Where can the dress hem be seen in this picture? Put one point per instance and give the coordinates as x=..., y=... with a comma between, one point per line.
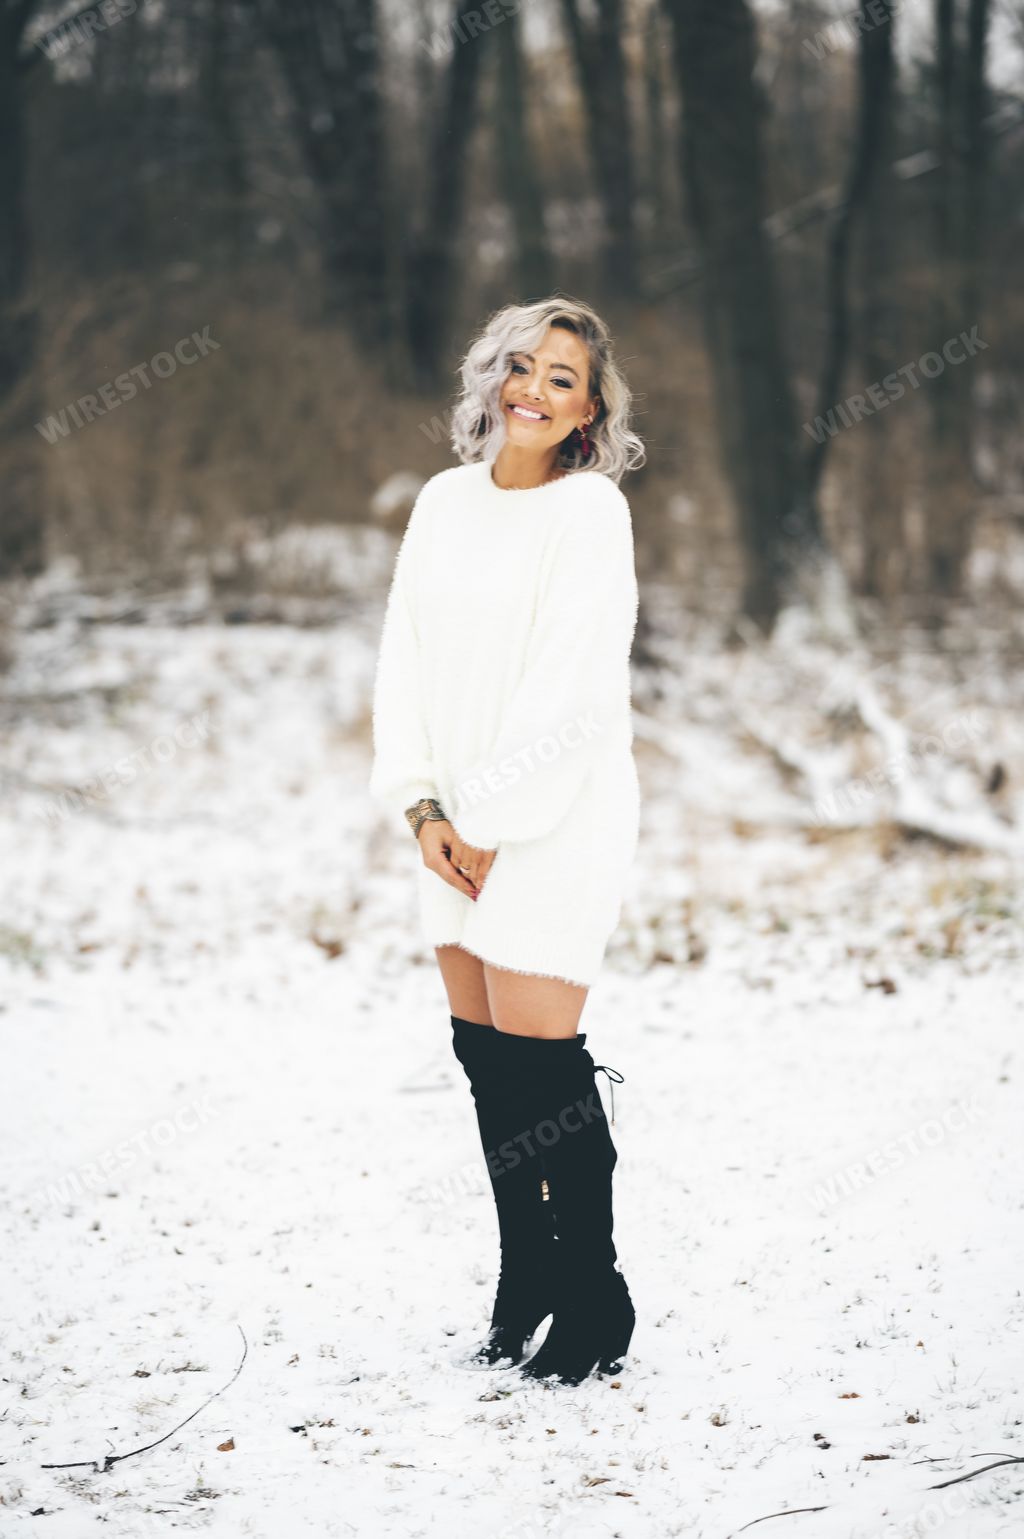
x=528, y=972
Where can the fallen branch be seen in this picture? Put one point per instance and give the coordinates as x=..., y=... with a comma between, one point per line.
x=945, y=1458
x=790, y=758
x=111, y=1459
x=909, y=806
x=957, y=1479
x=971, y=1474
x=914, y=810
x=787, y=1513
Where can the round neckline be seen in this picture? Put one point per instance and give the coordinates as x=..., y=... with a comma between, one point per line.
x=522, y=491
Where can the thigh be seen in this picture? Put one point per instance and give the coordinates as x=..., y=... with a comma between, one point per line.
x=464, y=983
x=529, y=1005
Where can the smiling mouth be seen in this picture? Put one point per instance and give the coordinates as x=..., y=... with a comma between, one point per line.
x=527, y=413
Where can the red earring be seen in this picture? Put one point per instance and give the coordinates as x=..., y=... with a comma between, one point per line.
x=584, y=441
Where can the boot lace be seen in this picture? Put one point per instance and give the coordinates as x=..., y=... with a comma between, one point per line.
x=614, y=1078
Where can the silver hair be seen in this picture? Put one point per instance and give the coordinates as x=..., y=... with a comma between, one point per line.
x=478, y=427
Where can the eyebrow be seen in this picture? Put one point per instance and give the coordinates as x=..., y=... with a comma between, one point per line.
x=567, y=366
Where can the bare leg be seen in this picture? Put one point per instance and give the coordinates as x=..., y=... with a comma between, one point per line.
x=463, y=976
x=525, y=1004
x=528, y=1005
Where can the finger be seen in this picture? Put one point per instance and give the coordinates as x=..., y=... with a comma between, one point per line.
x=482, y=868
x=448, y=872
x=468, y=875
x=464, y=861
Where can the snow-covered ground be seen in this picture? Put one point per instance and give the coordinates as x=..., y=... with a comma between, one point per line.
x=233, y=1125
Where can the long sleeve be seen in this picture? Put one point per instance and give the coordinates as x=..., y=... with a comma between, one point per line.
x=403, y=769
x=574, y=695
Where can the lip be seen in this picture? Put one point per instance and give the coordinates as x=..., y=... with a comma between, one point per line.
x=542, y=417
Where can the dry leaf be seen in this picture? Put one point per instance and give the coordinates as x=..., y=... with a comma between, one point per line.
x=333, y=948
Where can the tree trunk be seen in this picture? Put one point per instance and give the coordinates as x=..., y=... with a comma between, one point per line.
x=22, y=526
x=601, y=71
x=863, y=194
x=756, y=415
x=654, y=178
x=329, y=56
x=881, y=472
x=958, y=214
x=432, y=268
x=224, y=169
x=881, y=481
x=875, y=79
x=518, y=167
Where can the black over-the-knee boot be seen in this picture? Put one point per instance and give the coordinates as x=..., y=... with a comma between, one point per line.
x=525, y=1292
x=553, y=1081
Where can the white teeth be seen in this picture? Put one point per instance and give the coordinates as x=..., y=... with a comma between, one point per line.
x=524, y=411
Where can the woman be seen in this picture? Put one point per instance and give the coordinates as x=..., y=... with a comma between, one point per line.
x=502, y=732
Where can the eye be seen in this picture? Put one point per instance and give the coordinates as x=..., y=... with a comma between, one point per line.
x=519, y=368
x=565, y=383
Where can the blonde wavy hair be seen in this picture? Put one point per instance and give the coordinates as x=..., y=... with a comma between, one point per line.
x=478, y=426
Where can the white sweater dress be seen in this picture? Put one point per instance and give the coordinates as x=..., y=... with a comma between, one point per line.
x=503, y=690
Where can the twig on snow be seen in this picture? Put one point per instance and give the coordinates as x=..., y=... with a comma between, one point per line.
x=786, y=1513
x=957, y=1479
x=1000, y=1464
x=111, y=1459
x=945, y=1458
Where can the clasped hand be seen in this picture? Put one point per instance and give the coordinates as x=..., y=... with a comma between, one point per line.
x=444, y=852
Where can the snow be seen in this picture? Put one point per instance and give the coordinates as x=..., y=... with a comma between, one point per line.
x=234, y=1123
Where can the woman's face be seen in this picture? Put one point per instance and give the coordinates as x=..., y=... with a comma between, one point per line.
x=545, y=395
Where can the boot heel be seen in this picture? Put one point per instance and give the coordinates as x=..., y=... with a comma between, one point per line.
x=611, y=1360
x=620, y=1335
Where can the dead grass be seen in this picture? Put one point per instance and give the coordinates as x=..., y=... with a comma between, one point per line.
x=278, y=425
x=282, y=425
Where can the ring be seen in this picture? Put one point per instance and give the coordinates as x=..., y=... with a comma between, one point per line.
x=464, y=869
